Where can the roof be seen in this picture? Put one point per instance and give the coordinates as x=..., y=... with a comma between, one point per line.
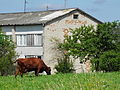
x=38, y=17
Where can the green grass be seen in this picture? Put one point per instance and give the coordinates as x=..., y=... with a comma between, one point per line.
x=84, y=81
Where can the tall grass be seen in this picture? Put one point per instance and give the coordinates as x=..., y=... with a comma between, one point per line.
x=84, y=81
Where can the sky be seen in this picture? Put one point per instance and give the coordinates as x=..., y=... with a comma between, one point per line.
x=103, y=10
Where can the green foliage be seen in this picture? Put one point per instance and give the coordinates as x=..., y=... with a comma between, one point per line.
x=65, y=65
x=7, y=53
x=108, y=40
x=109, y=61
x=83, y=81
x=75, y=43
x=93, y=41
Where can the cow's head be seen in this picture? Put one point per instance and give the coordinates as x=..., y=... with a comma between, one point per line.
x=48, y=71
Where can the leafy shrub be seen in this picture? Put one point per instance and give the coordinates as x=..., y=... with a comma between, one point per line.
x=7, y=53
x=109, y=61
x=65, y=65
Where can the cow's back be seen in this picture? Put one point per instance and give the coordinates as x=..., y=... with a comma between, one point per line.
x=31, y=62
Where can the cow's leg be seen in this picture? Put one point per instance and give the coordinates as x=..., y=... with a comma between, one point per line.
x=37, y=71
x=21, y=74
x=16, y=73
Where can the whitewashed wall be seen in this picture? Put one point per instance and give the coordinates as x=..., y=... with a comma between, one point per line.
x=57, y=30
x=23, y=51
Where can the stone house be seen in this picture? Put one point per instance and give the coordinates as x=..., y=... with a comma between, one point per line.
x=32, y=31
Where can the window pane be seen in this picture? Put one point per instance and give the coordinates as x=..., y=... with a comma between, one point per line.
x=21, y=40
x=30, y=40
x=24, y=41
x=30, y=56
x=18, y=40
x=38, y=40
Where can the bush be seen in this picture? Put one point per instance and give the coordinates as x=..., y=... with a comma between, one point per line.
x=109, y=61
x=65, y=65
x=7, y=53
x=6, y=67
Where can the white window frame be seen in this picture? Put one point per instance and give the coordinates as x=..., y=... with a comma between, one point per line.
x=28, y=33
x=37, y=43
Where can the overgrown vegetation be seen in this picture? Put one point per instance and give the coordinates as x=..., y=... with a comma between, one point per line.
x=109, y=61
x=7, y=53
x=95, y=42
x=84, y=81
x=65, y=65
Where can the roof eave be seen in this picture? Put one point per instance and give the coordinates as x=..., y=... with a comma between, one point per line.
x=100, y=22
x=96, y=20
x=22, y=24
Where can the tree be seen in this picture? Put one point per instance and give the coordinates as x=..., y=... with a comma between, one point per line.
x=7, y=53
x=93, y=41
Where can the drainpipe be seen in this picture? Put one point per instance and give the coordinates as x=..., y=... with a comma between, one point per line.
x=13, y=34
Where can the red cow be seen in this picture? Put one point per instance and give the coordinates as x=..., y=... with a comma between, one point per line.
x=31, y=64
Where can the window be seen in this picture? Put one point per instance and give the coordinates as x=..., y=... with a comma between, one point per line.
x=21, y=40
x=9, y=34
x=33, y=56
x=29, y=39
x=75, y=16
x=30, y=56
x=10, y=37
x=37, y=40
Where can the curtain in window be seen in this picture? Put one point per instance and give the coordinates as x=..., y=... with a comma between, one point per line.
x=37, y=40
x=21, y=40
x=29, y=40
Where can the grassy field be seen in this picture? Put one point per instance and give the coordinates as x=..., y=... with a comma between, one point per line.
x=84, y=81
